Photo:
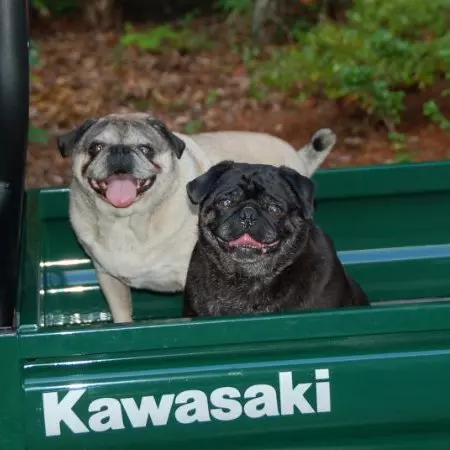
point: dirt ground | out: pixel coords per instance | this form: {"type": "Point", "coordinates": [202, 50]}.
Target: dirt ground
{"type": "Point", "coordinates": [85, 74]}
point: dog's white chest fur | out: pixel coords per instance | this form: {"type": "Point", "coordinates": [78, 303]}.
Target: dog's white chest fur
{"type": "Point", "coordinates": [152, 269]}
{"type": "Point", "coordinates": [135, 252]}
{"type": "Point", "coordinates": [134, 262]}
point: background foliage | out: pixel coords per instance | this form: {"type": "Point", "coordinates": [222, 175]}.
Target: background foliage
{"type": "Point", "coordinates": [381, 50]}
{"type": "Point", "coordinates": [369, 57]}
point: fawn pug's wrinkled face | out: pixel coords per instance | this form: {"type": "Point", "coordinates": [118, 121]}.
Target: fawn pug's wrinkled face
{"type": "Point", "coordinates": [253, 218]}
{"type": "Point", "coordinates": [122, 159]}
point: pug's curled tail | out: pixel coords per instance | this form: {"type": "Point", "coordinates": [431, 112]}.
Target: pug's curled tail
{"type": "Point", "coordinates": [317, 149]}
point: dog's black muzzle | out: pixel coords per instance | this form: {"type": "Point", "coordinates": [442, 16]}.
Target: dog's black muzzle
{"type": "Point", "coordinates": [119, 159]}
{"type": "Point", "coordinates": [246, 219]}
{"type": "Point", "coordinates": [248, 216]}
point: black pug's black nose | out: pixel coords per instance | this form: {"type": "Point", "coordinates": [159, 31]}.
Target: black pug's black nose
{"type": "Point", "coordinates": [247, 216]}
{"type": "Point", "coordinates": [120, 159]}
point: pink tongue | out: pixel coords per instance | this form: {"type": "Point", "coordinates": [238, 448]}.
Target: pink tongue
{"type": "Point", "coordinates": [121, 192]}
{"type": "Point", "coordinates": [245, 241]}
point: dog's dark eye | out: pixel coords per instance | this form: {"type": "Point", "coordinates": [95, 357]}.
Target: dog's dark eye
{"type": "Point", "coordinates": [224, 203]}
{"type": "Point", "coordinates": [146, 150]}
{"type": "Point", "coordinates": [95, 148]}
{"type": "Point", "coordinates": [274, 209]}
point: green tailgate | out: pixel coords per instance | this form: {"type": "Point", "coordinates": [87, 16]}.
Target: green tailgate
{"type": "Point", "coordinates": [354, 379]}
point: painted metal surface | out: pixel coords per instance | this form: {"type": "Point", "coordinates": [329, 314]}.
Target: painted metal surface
{"type": "Point", "coordinates": [367, 378]}
{"type": "Point", "coordinates": [378, 388]}
{"type": "Point", "coordinates": [387, 223]}
{"type": "Point", "coordinates": [12, 423]}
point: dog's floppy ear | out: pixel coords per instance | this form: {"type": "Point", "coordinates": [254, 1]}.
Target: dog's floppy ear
{"type": "Point", "coordinates": [177, 144]}
{"type": "Point", "coordinates": [198, 188]}
{"type": "Point", "coordinates": [66, 142]}
{"type": "Point", "coordinates": [303, 187]}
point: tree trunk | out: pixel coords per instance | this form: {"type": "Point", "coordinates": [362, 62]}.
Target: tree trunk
{"type": "Point", "coordinates": [266, 20]}
{"type": "Point", "coordinates": [102, 14]}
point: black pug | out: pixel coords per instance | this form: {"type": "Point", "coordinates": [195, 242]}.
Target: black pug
{"type": "Point", "coordinates": [258, 249]}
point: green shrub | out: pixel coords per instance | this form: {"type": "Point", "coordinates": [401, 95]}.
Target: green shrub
{"type": "Point", "coordinates": [156, 38]}
{"type": "Point", "coordinates": [383, 48]}
{"type": "Point", "coordinates": [193, 126]}
{"type": "Point", "coordinates": [433, 112]}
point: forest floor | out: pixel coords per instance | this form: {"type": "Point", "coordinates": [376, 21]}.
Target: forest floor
{"type": "Point", "coordinates": [85, 74]}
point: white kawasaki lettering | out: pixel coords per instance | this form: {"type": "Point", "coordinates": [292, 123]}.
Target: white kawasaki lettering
{"type": "Point", "coordinates": [159, 414]}
{"type": "Point", "coordinates": [56, 412]}
{"type": "Point", "coordinates": [187, 407]}
{"type": "Point", "coordinates": [108, 415]}
{"type": "Point", "coordinates": [323, 395]}
{"type": "Point", "coordinates": [194, 407]}
{"type": "Point", "coordinates": [227, 408]}
{"type": "Point", "coordinates": [291, 397]}
{"type": "Point", "coordinates": [263, 401]}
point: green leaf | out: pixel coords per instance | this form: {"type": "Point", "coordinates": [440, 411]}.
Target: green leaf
{"type": "Point", "coordinates": [37, 135]}
{"type": "Point", "coordinates": [193, 126]}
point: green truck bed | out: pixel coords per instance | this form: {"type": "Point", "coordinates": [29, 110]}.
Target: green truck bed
{"type": "Point", "coordinates": [369, 378]}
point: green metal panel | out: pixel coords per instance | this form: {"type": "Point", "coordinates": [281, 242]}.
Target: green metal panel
{"type": "Point", "coordinates": [386, 367]}
{"type": "Point", "coordinates": [185, 333]}
{"type": "Point", "coordinates": [381, 388]}
{"type": "Point", "coordinates": [12, 431]}
{"type": "Point", "coordinates": [387, 223]}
